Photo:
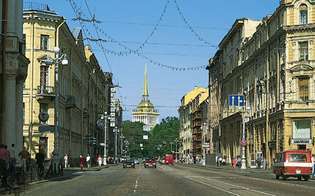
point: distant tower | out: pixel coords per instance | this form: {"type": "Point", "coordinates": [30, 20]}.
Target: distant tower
{"type": "Point", "coordinates": [145, 111]}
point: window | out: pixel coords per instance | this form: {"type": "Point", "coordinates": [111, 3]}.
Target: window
{"type": "Point", "coordinates": [303, 14]}
{"type": "Point", "coordinates": [303, 88]}
{"type": "Point", "coordinates": [301, 129]}
{"type": "Point", "coordinates": [301, 158]}
{"type": "Point", "coordinates": [303, 50]}
{"type": "Point", "coordinates": [44, 42]}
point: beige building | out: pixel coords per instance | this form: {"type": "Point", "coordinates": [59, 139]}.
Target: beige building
{"type": "Point", "coordinates": [74, 95]}
{"type": "Point", "coordinates": [191, 121]}
{"type": "Point", "coordinates": [271, 63]}
{"type": "Point", "coordinates": [13, 71]}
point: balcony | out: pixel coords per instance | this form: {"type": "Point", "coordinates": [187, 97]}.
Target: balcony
{"type": "Point", "coordinates": [45, 93]}
{"type": "Point", "coordinates": [70, 102]}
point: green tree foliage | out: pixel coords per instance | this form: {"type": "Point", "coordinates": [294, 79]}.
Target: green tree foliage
{"type": "Point", "coordinates": [162, 139]}
{"type": "Point", "coordinates": [133, 132]}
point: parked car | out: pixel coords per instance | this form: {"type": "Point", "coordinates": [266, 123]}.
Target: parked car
{"type": "Point", "coordinates": [136, 161]}
{"type": "Point", "coordinates": [150, 163]}
{"type": "Point", "coordinates": [129, 163]}
{"type": "Point", "coordinates": [293, 163]}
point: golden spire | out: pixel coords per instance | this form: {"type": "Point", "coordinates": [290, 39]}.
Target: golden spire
{"type": "Point", "coordinates": [145, 89]}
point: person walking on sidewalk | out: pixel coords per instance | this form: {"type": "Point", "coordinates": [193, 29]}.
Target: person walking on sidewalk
{"type": "Point", "coordinates": [88, 160]}
{"type": "Point", "coordinates": [40, 158]}
{"type": "Point", "coordinates": [66, 160]}
{"type": "Point", "coordinates": [81, 162]}
{"type": "Point", "coordinates": [4, 162]}
{"type": "Point", "coordinates": [25, 158]}
{"type": "Point", "coordinates": [99, 160]}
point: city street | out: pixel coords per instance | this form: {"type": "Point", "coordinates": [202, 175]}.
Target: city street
{"type": "Point", "coordinates": [170, 180]}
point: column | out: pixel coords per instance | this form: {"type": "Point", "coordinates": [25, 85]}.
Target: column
{"type": "Point", "coordinates": [9, 112]}
{"type": "Point", "coordinates": [19, 115]}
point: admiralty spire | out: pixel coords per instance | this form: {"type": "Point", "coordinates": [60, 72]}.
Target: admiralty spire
{"type": "Point", "coordinates": [145, 111]}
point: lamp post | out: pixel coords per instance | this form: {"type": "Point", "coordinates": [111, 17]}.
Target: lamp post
{"type": "Point", "coordinates": [104, 117]}
{"type": "Point", "coordinates": [48, 61]}
{"type": "Point", "coordinates": [243, 142]}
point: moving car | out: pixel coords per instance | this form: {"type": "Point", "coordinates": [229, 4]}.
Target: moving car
{"type": "Point", "coordinates": [293, 163]}
{"type": "Point", "coordinates": [150, 163]}
{"type": "Point", "coordinates": [129, 163]}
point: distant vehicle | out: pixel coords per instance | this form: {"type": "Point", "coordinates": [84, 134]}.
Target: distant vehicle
{"type": "Point", "coordinates": [137, 161]}
{"type": "Point", "coordinates": [169, 159]}
{"type": "Point", "coordinates": [150, 163]}
{"type": "Point", "coordinates": [129, 163]}
{"type": "Point", "coordinates": [293, 163]}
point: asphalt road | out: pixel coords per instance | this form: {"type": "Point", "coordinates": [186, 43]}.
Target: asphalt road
{"type": "Point", "coordinates": [167, 181]}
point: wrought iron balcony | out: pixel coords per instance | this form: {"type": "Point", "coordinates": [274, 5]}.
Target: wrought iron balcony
{"type": "Point", "coordinates": [45, 91]}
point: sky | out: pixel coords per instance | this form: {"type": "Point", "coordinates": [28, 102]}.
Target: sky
{"type": "Point", "coordinates": [178, 40]}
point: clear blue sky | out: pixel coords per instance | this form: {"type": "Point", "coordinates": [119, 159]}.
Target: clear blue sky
{"type": "Point", "coordinates": [133, 20]}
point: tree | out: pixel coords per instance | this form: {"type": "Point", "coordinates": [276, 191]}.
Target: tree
{"type": "Point", "coordinates": [133, 132]}
{"type": "Point", "coordinates": [162, 139]}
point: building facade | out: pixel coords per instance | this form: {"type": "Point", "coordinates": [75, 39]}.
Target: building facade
{"type": "Point", "coordinates": [272, 67]}
{"type": "Point", "coordinates": [71, 97]}
{"type": "Point", "coordinates": [13, 71]}
{"type": "Point", "coordinates": [145, 111]}
{"type": "Point", "coordinates": [192, 123]}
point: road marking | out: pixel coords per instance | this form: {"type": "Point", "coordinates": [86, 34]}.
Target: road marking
{"type": "Point", "coordinates": [242, 187]}
{"type": "Point", "coordinates": [215, 187]}
{"type": "Point", "coordinates": [136, 184]}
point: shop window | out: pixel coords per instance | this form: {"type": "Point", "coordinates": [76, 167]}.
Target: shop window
{"type": "Point", "coordinates": [302, 129]}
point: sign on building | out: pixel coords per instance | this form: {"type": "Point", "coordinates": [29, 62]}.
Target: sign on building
{"type": "Point", "coordinates": [236, 100]}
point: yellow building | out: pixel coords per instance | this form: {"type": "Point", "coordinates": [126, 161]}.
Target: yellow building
{"type": "Point", "coordinates": [73, 96]}
{"type": "Point", "coordinates": [273, 68]}
{"type": "Point", "coordinates": [189, 106]}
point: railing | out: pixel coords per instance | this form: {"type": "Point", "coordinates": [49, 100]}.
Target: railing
{"type": "Point", "coordinates": [46, 90]}
{"type": "Point", "coordinates": [29, 5]}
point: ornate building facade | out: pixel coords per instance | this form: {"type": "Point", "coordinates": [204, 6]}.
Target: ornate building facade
{"type": "Point", "coordinates": [271, 63]}
{"type": "Point", "coordinates": [145, 111]}
{"type": "Point", "coordinates": [74, 95]}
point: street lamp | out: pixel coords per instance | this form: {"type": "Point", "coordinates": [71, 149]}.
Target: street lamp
{"type": "Point", "coordinates": [48, 61]}
{"type": "Point", "coordinates": [105, 118]}
{"type": "Point", "coordinates": [243, 142]}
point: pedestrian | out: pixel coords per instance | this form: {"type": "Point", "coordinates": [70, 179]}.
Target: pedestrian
{"type": "Point", "coordinates": [65, 158]}
{"type": "Point", "coordinates": [25, 158]}
{"type": "Point", "coordinates": [12, 161]}
{"type": "Point", "coordinates": [88, 160]}
{"type": "Point", "coordinates": [99, 160]}
{"type": "Point", "coordinates": [4, 162]}
{"type": "Point", "coordinates": [81, 162]}
{"type": "Point", "coordinates": [40, 159]}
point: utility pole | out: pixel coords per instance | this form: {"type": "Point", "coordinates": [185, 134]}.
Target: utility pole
{"type": "Point", "coordinates": [105, 138]}
{"type": "Point", "coordinates": [116, 143]}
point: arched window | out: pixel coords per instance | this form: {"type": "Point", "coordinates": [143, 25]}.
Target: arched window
{"type": "Point", "coordinates": [303, 14]}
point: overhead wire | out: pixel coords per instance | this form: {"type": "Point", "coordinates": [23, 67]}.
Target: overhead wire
{"type": "Point", "coordinates": [190, 27]}
{"type": "Point", "coordinates": [79, 13]}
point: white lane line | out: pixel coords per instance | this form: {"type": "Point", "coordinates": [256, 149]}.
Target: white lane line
{"type": "Point", "coordinates": [242, 187]}
{"type": "Point", "coordinates": [215, 187]}
{"type": "Point", "coordinates": [136, 185]}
